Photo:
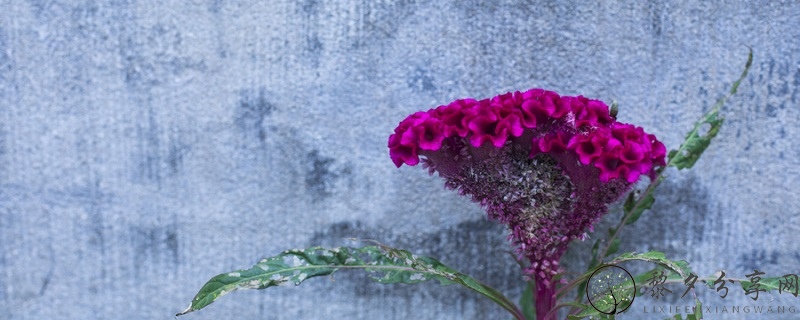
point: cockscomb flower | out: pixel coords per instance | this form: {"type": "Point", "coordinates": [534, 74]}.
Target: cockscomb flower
{"type": "Point", "coordinates": [544, 165]}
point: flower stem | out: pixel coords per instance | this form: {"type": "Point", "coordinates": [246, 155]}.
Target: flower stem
{"type": "Point", "coordinates": [621, 224]}
{"type": "Point", "coordinates": [545, 298]}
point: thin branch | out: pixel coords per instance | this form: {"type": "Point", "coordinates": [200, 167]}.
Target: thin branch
{"type": "Point", "coordinates": [628, 214]}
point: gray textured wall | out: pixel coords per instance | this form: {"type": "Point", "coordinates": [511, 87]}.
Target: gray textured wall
{"type": "Point", "coordinates": [147, 146]}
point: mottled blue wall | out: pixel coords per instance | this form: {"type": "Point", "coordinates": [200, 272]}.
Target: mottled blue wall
{"type": "Point", "coordinates": [147, 146]}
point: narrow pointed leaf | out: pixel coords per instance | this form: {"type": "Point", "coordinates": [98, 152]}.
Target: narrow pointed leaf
{"type": "Point", "coordinates": [613, 247]}
{"type": "Point", "coordinates": [681, 267]}
{"type": "Point", "coordinates": [635, 211]}
{"type": "Point", "coordinates": [595, 250]}
{"type": "Point", "coordinates": [383, 264]}
{"type": "Point", "coordinates": [591, 313]}
{"type": "Point", "coordinates": [770, 284]}
{"type": "Point", "coordinates": [526, 302]}
{"type": "Point", "coordinates": [696, 142]}
{"type": "Point", "coordinates": [678, 270]}
{"type": "Point", "coordinates": [698, 312]}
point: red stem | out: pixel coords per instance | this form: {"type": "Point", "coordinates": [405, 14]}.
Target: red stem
{"type": "Point", "coordinates": [545, 299]}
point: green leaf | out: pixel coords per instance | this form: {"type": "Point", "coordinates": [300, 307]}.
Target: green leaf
{"type": "Point", "coordinates": [527, 301]}
{"type": "Point", "coordinates": [694, 144]}
{"type": "Point", "coordinates": [769, 284]}
{"type": "Point", "coordinates": [614, 246]}
{"type": "Point", "coordinates": [664, 264]}
{"type": "Point", "coordinates": [582, 307]}
{"type": "Point", "coordinates": [678, 272]}
{"type": "Point", "coordinates": [593, 313]}
{"type": "Point", "coordinates": [383, 264]}
{"type": "Point", "coordinates": [635, 211]}
{"type": "Point", "coordinates": [582, 288]}
{"type": "Point", "coordinates": [710, 284]}
{"type": "Point", "coordinates": [632, 209]}
{"type": "Point", "coordinates": [641, 279]}
{"type": "Point", "coordinates": [681, 267]}
{"type": "Point", "coordinates": [698, 313]}
{"type": "Point", "coordinates": [595, 249]}
{"type": "Point", "coordinates": [688, 317]}
{"type": "Point", "coordinates": [592, 264]}
{"type": "Point", "coordinates": [605, 301]}
{"type": "Point", "coordinates": [576, 304]}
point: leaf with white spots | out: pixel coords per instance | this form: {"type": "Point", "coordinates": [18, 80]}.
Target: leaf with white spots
{"type": "Point", "coordinates": [697, 140]}
{"type": "Point", "coordinates": [680, 267]}
{"type": "Point", "coordinates": [383, 264]}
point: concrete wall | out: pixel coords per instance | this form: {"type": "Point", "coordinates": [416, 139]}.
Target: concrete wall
{"type": "Point", "coordinates": [147, 146]}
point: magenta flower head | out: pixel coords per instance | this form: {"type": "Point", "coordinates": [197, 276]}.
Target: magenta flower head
{"type": "Point", "coordinates": [544, 165]}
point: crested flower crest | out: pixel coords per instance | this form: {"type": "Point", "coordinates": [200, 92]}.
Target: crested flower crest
{"type": "Point", "coordinates": [544, 165]}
